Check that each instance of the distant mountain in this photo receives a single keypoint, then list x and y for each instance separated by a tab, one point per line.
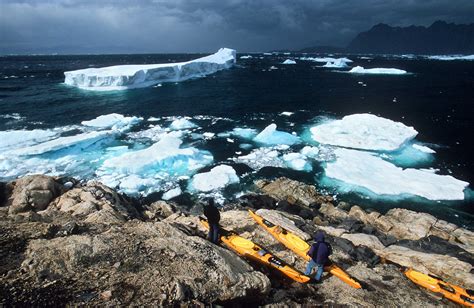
439	38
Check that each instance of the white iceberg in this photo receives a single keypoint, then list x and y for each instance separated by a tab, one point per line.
81	140
326	59
23	138
122	77
271	136
261	157
336	63
452	57
297	161
246	57
217	178
288	61
377	71
423	148
182	123
363	131
170	194
113	121
244	133
360	171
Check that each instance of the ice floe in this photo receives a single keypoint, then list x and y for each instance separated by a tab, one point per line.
24	138
122	77
360	170
182	123
451	57
217	178
377	71
297	161
271	136
326	59
113	121
423	148
288	61
363	131
336	63
246	57
172	193
261	157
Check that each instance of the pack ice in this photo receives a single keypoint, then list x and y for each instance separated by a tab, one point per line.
122	77
377	71
363	131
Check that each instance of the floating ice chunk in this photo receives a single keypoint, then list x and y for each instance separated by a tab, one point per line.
23	138
83	140
365	170
182	123
363	131
154	133
170	194
113	120
287	113
267	54
423	148
217	178
311	152
244	133
336	63
288	61
153	119
297	161
208	135
326	59
272	68
122	77
381	71
261	157
245	146
271	136
451	57
246	57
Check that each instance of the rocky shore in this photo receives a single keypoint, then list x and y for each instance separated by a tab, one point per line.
68	243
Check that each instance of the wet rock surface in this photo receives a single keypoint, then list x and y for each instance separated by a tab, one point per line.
90	245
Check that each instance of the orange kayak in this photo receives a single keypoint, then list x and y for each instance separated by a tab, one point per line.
249	249
300	247
435	284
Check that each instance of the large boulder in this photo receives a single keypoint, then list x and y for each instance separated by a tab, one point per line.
361	239
157	262
292	191
409	224
332	213
449	268
94	203
33	193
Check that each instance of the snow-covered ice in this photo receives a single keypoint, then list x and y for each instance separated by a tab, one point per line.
360	170
122	77
287	113
326	59
297	161
246	57
423	148
244	133
452	57
172	193
113	121
261	157
182	123
336	63
363	131
271	136
217	178
288	61
377	71
23	138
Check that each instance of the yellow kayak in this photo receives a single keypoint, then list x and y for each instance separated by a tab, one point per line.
434	284
248	249
300	247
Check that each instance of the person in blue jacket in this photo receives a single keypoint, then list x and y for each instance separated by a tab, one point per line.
319	253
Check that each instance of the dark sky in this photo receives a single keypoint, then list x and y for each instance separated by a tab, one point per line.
114	26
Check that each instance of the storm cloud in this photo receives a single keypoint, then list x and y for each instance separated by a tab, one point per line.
107	26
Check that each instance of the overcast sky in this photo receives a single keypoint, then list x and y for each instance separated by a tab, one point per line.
114	26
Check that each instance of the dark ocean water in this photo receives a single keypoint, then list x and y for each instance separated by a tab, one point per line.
437	99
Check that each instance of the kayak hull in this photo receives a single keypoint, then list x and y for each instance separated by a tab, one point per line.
300	247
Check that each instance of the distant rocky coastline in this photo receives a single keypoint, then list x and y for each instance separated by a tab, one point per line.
64	242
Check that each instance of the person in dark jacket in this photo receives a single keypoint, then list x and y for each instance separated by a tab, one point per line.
319	253
213	217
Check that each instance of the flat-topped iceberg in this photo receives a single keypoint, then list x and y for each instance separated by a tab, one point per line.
122	77
377	71
336	63
452	57
271	136
113	120
360	170
326	59
363	131
217	178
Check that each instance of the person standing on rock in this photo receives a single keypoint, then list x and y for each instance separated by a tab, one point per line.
319	253
213	217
